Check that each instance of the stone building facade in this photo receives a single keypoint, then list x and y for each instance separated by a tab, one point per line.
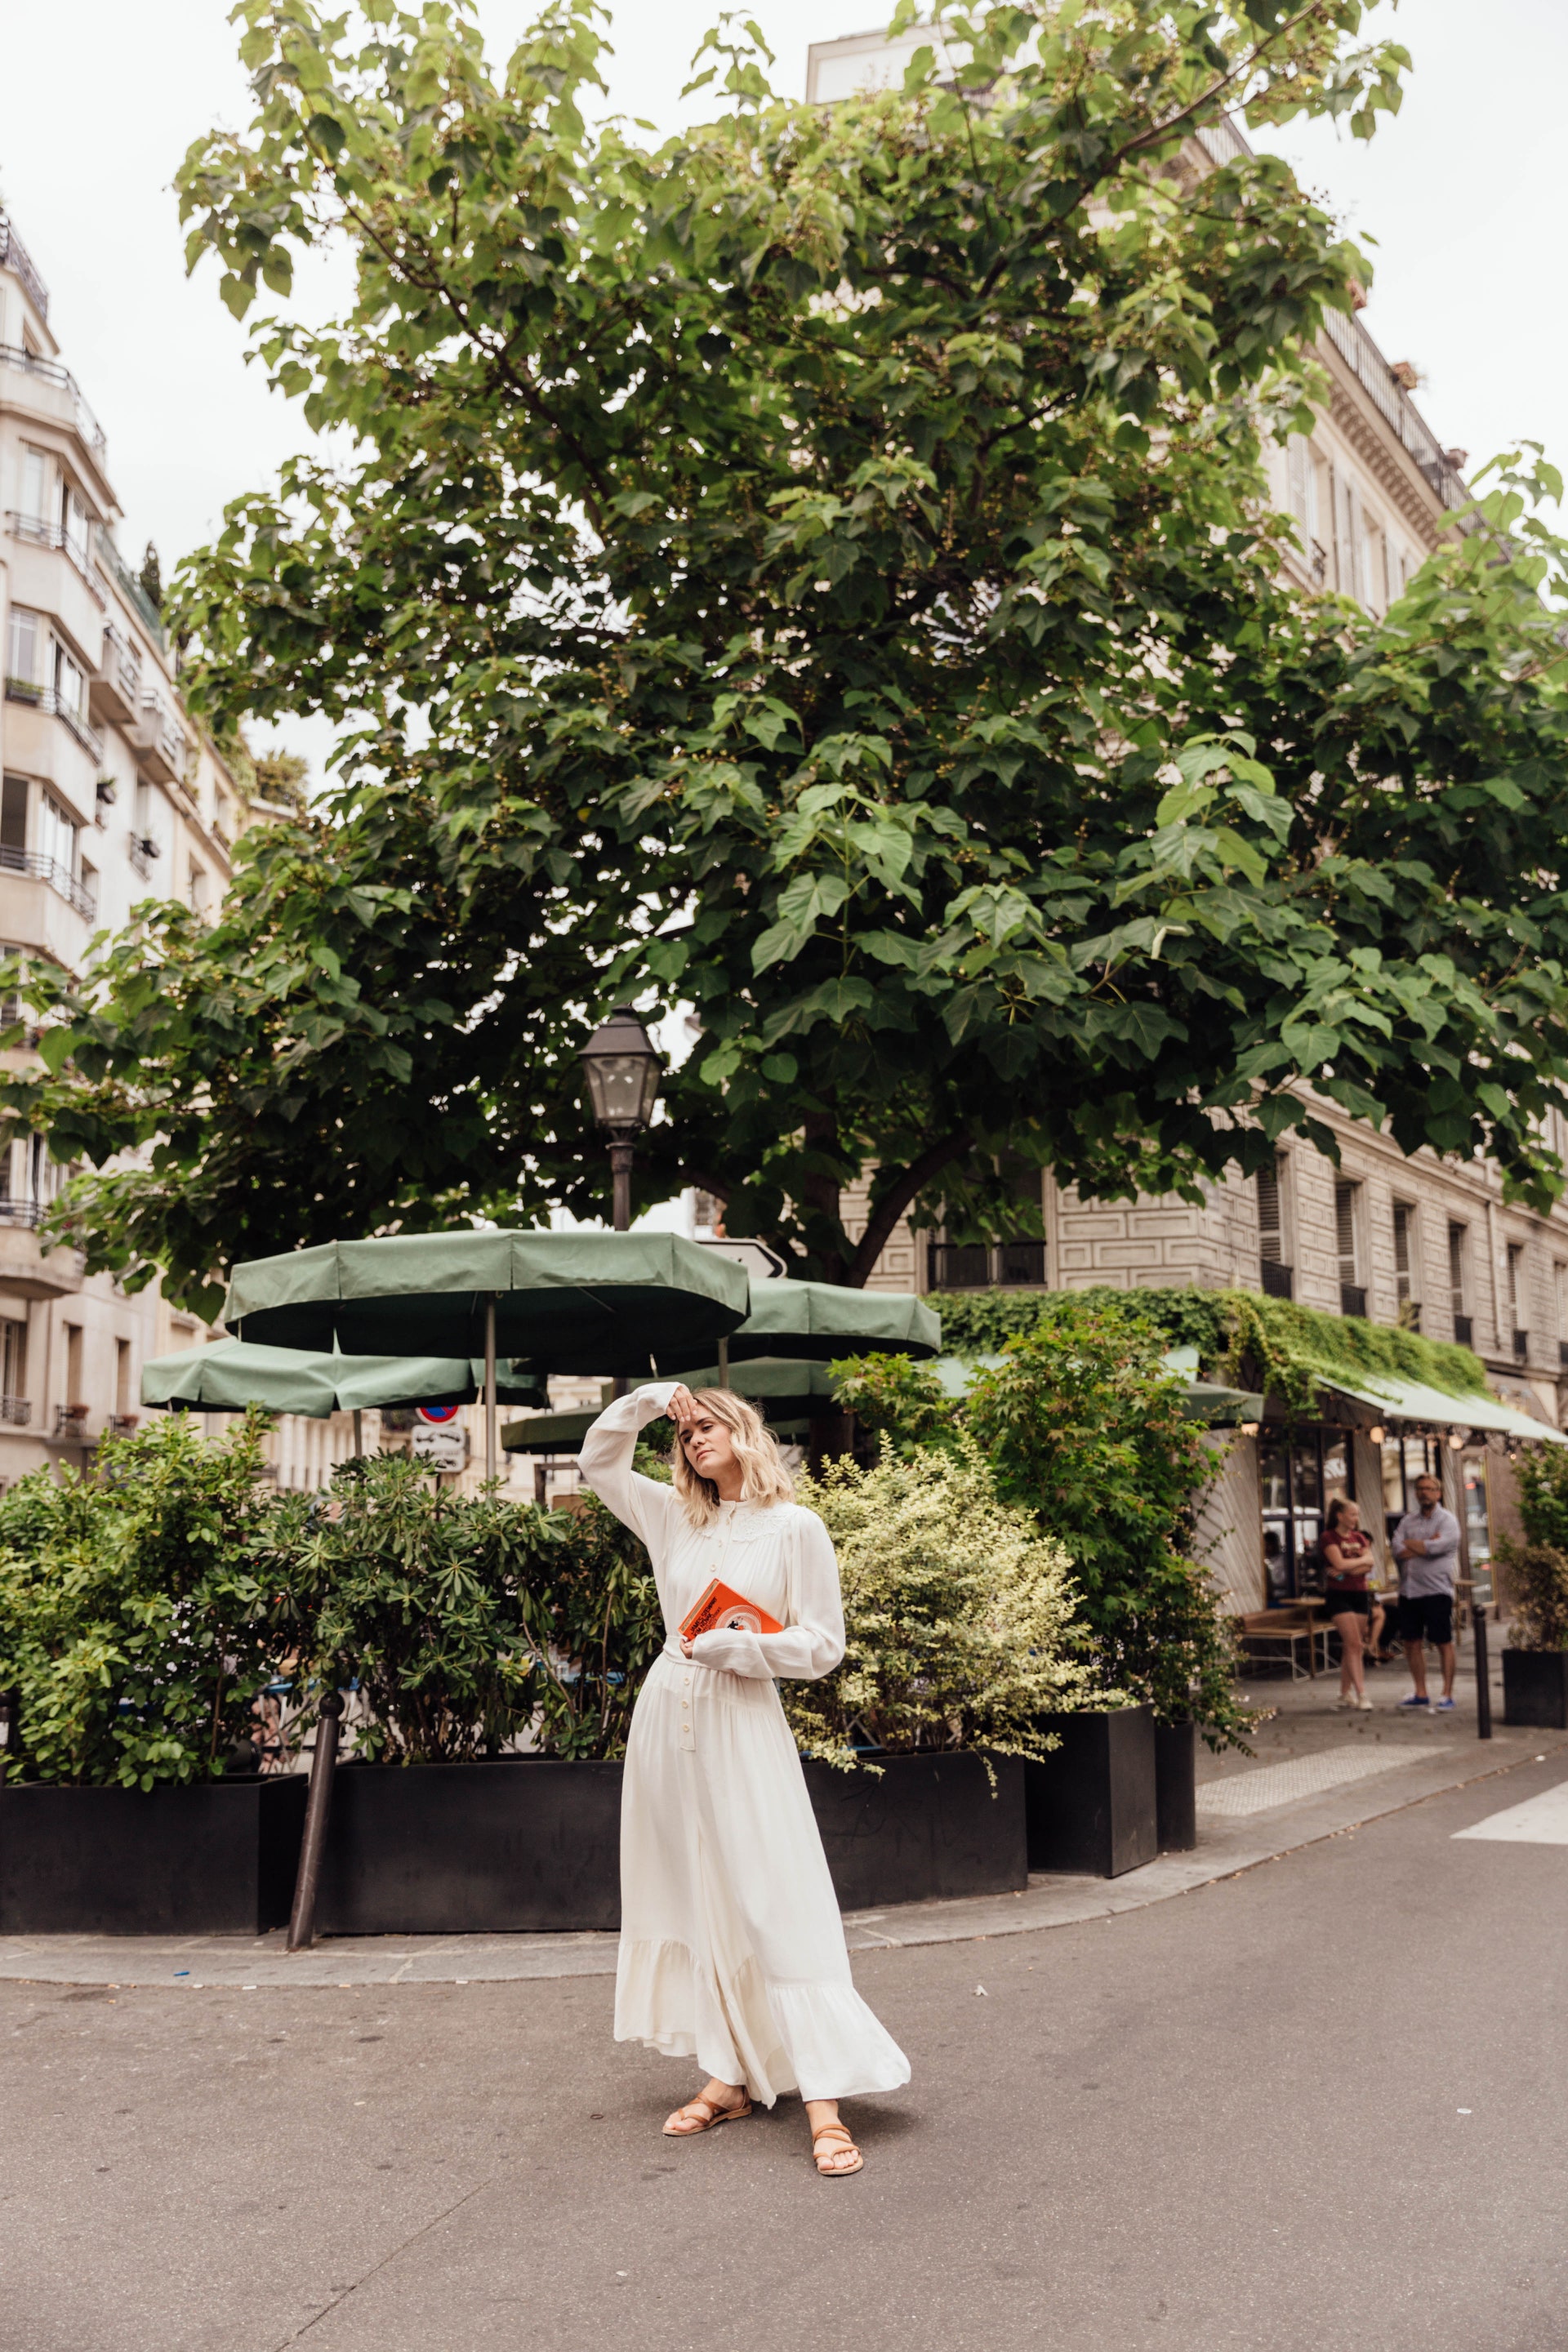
111	795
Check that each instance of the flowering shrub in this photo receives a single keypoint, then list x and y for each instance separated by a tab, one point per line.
959	1616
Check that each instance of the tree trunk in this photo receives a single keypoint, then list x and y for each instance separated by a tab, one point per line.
819	1190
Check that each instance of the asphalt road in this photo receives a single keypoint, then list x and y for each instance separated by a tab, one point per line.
1319	2105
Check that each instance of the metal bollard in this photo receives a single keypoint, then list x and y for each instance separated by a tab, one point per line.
1483	1672
318	1812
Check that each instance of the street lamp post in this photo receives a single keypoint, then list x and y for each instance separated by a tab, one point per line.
622	1070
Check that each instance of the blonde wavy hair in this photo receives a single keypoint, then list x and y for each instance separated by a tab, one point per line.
756	1450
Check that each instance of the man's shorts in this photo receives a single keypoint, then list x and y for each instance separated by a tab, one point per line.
1428	1617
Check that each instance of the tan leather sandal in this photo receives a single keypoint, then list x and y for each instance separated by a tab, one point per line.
825	2165
708	2115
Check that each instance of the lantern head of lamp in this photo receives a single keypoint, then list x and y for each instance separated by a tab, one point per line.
622	1070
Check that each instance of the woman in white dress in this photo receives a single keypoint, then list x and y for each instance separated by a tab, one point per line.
731	1947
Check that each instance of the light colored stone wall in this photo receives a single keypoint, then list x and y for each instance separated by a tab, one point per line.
154	811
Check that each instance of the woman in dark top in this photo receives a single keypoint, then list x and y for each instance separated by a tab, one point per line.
1347	1562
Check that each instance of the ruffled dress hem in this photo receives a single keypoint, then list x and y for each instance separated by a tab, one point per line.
819	2039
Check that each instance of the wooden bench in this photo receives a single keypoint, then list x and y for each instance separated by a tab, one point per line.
1267	1632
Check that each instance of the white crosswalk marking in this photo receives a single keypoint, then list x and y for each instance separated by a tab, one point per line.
1539	1821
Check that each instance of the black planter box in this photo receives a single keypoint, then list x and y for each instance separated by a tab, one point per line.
533	1846
215	1859
1176	1786
925	1828
1090	1804
1535	1688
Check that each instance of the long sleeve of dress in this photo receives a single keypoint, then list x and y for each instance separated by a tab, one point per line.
809	1648
606	1462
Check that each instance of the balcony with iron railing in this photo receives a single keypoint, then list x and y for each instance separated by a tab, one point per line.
1353	1298
13	355
36	532
14	255
162	735
17	1410
26	1213
1464	1331
143	851
982	1265
44	698
48	869
130	588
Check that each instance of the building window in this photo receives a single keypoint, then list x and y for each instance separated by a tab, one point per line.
1273	1265
70	684
14	818
198	888
122	1378
985	1265
57	834
24	648
73	1364
12	1362
1301	488
1353	1291
1015	1260
1559	1287
1405	1265
1516	1300
33	485
76	525
1458	1291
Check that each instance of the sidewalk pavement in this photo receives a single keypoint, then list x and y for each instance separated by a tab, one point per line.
1315	1773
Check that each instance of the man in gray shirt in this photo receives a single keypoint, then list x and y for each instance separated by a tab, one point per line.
1426	1545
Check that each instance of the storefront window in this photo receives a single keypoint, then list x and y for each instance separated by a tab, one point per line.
1406	1459
1300	1475
1478	1528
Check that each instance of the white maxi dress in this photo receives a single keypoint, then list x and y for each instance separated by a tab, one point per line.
731	1947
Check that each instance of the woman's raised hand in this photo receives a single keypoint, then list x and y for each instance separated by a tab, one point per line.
682	1406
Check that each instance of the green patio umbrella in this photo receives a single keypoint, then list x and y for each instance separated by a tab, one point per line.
783	1389
229	1374
573	1302
816	1321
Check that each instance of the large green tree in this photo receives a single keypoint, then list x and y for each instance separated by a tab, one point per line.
819	570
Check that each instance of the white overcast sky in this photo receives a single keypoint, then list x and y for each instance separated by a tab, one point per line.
1463	192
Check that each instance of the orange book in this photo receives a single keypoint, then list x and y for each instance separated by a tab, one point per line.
720	1611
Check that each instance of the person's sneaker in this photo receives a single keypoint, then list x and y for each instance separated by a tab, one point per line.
1365	1704
1415	1699
1345	1699
1446	1706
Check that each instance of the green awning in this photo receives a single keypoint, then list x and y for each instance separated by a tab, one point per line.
1395	1400
229	1374
820	1320
571	1302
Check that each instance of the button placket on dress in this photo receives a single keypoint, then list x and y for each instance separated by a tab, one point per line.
688	1726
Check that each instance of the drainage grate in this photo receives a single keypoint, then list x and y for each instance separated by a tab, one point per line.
1303	1776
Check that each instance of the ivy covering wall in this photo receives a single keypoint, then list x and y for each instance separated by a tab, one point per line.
1284	1348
